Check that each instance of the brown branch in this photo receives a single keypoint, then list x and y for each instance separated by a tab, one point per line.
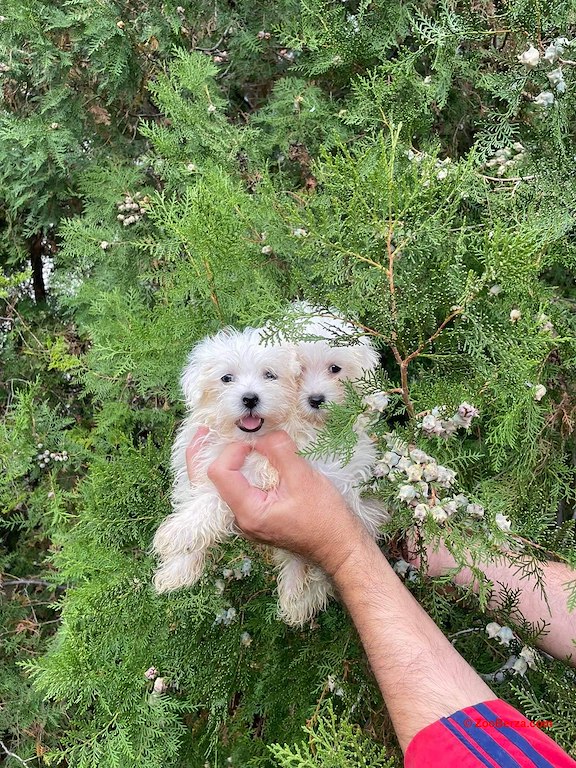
435	334
393	308
508	178
404	385
407	360
26	582
8	753
394	312
554	556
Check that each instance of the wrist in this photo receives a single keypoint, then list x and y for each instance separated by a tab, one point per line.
354	560
336	535
437	557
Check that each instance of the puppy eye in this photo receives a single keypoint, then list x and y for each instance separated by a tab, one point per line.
334	369
270	375
227	378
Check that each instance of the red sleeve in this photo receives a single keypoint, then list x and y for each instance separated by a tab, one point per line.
490	735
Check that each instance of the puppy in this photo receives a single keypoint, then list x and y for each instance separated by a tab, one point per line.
239	388
332	353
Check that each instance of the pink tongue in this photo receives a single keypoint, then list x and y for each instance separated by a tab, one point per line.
250	422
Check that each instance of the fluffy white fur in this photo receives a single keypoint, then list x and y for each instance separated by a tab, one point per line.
333	354
283	377
224	376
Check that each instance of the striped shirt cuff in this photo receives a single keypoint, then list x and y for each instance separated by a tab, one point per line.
489	735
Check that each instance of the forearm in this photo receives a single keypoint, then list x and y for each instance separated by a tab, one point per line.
421	675
539	600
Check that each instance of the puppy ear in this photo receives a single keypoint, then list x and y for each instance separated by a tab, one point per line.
292	364
368	357
284	360
192	376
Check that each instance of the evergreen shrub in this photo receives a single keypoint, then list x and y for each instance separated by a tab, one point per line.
167	170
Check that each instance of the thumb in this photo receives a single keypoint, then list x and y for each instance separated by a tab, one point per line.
231	484
281	451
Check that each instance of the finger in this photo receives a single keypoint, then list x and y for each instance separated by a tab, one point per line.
193	449
231	484
280	450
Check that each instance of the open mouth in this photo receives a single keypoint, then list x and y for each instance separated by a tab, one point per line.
250	423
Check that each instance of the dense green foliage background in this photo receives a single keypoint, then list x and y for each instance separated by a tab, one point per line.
166	170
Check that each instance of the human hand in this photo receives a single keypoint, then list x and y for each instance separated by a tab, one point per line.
304	513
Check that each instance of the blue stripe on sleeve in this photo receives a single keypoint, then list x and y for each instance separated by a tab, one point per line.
516	738
463	740
488	744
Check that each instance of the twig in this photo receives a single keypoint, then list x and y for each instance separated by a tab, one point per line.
394	336
216	46
393	310
347	252
26	582
507	178
295	196
404	383
15	756
549	552
435	335
405	362
464	632
366	260
312	720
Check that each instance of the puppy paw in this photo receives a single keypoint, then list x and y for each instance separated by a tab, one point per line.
180	571
173	538
300	600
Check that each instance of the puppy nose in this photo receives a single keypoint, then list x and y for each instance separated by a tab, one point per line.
316	400
250	400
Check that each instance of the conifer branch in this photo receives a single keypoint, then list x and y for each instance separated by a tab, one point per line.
507	178
366	260
383	193
394	312
8	753
213	294
404	362
435	335
393	308
26	582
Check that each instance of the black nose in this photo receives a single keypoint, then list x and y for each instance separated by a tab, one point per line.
250	400
316	400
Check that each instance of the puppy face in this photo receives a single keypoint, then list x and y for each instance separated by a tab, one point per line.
325	366
239	387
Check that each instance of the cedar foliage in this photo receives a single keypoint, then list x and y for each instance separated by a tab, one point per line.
272	152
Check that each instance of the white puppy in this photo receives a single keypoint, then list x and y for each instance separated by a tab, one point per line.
334	353
239	388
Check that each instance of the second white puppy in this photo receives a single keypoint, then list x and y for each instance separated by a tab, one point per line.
333	354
